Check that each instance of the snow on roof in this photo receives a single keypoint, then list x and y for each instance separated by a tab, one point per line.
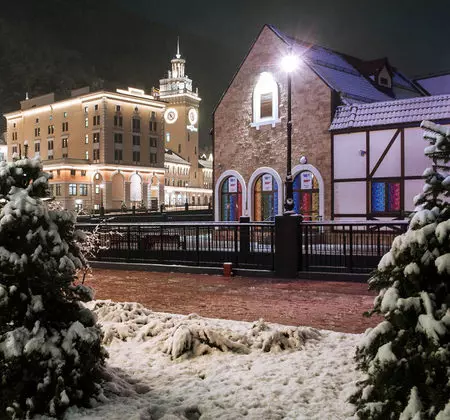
340	72
172	157
205	163
392	112
438	84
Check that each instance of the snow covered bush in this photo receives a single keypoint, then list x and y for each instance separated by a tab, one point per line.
50	345
407	356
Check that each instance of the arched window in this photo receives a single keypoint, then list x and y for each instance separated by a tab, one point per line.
265	101
230	199
306	195
265	198
135	188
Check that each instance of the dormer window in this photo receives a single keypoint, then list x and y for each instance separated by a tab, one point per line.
265	101
384	78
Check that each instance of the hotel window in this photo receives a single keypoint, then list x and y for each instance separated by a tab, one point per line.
118	138
73	172
265	101
97	189
57	189
51	129
51	188
86	122
64	142
58	172
14	125
167	137
37	147
50	144
86	155
117	154
136	156
14	136
72	189
136	140
37	132
385	196
86	109
153	142
96	138
96	120
83	173
136	125
117	108
152	126
86	139
195	150
14	149
152	157
96	107
118	121
37	120
96	154
179	148
83	189
65	114
65	126
50	157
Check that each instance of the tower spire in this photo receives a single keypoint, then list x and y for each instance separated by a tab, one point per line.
178	47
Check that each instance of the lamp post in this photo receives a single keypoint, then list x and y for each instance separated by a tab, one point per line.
289	64
102	209
186	203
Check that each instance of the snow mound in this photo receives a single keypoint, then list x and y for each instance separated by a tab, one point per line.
181	336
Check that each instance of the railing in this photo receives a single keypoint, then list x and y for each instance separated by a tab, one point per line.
351	247
246	245
355	247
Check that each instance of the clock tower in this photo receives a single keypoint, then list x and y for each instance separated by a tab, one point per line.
181	117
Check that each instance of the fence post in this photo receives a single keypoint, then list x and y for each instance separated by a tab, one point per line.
286	245
244	239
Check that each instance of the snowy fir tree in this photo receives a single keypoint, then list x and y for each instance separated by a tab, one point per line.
406	358
50	346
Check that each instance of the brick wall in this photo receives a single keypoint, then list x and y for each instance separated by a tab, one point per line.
243	148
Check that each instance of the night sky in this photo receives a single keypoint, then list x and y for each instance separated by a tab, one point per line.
413	34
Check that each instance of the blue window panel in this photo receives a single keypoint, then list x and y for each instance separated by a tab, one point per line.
378	196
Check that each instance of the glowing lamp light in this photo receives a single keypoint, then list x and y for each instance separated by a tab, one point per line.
289	63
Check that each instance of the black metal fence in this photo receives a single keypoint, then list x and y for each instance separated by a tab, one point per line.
338	247
246	245
323	246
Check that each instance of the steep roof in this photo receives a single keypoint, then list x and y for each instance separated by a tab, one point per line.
344	73
172	157
205	163
392	112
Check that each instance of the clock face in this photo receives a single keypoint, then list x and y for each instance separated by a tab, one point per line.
171	115
193	116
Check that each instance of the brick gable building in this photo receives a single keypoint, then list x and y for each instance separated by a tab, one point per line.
250	125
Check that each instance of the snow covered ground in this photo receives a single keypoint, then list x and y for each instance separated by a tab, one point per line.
168	367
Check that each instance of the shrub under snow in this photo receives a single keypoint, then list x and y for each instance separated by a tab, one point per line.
50	345
407	356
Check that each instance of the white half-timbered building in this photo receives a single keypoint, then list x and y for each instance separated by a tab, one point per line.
378	156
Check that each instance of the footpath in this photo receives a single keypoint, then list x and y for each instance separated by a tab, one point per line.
331	305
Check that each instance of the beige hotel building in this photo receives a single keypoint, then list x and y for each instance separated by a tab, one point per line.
114	148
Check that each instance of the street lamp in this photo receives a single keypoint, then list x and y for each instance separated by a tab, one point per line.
186	203
289	63
102	209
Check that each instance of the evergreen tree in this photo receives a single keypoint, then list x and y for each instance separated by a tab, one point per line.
407	356
50	345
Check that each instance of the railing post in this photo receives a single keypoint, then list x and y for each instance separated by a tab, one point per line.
286	245
350	264
129	241
244	239
197	244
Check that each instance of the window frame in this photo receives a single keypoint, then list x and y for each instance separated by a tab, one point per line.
386	182
266	84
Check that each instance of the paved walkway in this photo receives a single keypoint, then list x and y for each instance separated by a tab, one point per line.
336	306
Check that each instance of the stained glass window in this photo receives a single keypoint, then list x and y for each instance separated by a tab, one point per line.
385	197
265	198
306	195
231	200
